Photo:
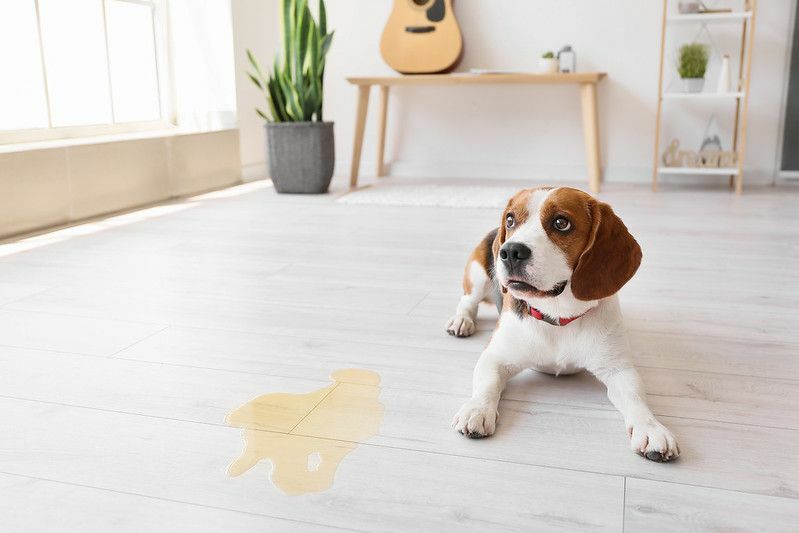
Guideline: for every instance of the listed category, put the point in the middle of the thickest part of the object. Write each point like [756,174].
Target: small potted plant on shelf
[300,144]
[548,64]
[692,66]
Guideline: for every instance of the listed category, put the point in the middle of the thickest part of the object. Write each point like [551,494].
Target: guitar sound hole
[436,12]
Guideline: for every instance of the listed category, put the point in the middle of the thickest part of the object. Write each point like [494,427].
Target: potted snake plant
[300,144]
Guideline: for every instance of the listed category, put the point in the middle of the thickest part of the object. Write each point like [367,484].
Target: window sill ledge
[104,139]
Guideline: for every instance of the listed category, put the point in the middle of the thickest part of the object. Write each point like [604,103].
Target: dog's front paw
[476,419]
[653,440]
[460,326]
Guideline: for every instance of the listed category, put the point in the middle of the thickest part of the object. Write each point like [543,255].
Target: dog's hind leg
[477,286]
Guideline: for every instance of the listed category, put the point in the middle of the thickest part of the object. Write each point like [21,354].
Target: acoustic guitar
[422,37]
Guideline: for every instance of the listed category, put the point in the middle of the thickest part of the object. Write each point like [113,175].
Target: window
[79,67]
[73,68]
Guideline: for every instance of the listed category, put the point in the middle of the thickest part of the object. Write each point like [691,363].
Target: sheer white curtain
[202,58]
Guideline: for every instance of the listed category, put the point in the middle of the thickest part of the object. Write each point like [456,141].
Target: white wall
[520,131]
[255,26]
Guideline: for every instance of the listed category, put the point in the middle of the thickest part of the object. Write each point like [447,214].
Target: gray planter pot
[301,156]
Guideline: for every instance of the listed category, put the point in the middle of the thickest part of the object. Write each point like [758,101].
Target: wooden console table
[586,80]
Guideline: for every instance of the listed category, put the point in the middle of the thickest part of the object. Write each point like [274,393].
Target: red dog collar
[538,315]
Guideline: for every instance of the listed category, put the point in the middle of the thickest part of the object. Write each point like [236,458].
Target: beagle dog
[553,267]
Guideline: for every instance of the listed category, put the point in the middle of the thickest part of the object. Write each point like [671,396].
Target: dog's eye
[562,224]
[510,221]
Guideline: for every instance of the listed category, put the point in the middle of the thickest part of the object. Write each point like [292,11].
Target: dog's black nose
[514,253]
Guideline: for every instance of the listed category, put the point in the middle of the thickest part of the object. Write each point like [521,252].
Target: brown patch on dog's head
[575,206]
[604,253]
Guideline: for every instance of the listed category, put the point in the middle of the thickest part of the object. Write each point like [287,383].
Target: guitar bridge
[420,29]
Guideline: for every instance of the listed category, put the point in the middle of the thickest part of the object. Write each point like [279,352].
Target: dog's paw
[476,419]
[653,440]
[460,326]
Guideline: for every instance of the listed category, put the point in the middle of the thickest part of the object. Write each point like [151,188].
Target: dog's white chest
[555,349]
[555,354]
[558,350]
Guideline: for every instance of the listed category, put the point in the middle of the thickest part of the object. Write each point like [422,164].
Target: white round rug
[432,195]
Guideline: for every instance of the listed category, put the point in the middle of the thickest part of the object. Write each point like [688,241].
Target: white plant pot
[548,65]
[693,85]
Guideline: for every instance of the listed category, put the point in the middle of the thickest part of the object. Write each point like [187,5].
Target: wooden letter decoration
[674,157]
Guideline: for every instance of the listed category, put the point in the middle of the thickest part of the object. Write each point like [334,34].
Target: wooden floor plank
[666,507]
[58,507]
[47,331]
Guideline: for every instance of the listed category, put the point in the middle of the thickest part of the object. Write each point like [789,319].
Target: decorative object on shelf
[548,63]
[567,60]
[686,8]
[422,37]
[673,157]
[692,66]
[300,144]
[725,81]
[698,7]
[711,140]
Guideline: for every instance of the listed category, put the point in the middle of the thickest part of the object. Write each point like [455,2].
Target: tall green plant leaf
[254,64]
[292,96]
[322,19]
[276,104]
[287,8]
[327,40]
[301,40]
[255,80]
[294,89]
[314,48]
[276,96]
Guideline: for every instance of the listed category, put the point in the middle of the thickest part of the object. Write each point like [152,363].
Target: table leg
[591,134]
[381,130]
[360,124]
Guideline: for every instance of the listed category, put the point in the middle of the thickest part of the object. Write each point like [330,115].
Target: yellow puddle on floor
[305,436]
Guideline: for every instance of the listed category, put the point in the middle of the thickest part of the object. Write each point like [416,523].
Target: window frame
[166,90]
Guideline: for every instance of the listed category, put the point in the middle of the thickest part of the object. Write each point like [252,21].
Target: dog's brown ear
[610,258]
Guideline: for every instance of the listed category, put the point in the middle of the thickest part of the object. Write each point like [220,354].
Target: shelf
[709,17]
[702,96]
[698,170]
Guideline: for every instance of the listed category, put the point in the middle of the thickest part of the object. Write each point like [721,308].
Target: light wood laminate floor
[126,342]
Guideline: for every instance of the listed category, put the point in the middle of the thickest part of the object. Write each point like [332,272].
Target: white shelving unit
[735,16]
[699,171]
[701,96]
[740,96]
